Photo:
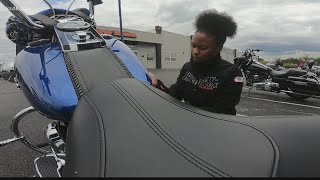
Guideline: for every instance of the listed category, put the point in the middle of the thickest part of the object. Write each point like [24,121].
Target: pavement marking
[296,112]
[10,93]
[240,115]
[315,107]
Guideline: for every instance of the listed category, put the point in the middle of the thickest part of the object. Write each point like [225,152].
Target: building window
[171,57]
[130,42]
[150,56]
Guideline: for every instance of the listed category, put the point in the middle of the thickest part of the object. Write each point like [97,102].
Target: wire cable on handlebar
[69,8]
[54,13]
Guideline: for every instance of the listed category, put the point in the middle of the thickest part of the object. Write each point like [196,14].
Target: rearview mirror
[96,2]
[310,64]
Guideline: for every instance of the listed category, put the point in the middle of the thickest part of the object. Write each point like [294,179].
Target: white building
[161,49]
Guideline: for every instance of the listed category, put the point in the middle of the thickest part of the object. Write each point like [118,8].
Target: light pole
[120,17]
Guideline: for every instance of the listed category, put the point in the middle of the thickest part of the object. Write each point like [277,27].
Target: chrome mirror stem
[91,9]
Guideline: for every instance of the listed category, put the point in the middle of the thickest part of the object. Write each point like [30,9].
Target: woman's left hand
[154,80]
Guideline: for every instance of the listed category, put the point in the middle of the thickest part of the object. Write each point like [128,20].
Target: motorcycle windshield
[40,5]
[65,4]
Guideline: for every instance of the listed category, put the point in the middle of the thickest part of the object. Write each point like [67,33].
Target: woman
[207,81]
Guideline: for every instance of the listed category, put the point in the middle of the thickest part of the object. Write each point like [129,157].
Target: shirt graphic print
[206,83]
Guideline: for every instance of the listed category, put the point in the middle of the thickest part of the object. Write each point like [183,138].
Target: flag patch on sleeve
[238,79]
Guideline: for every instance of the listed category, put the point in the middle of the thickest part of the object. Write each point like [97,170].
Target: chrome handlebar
[246,58]
[25,19]
[22,16]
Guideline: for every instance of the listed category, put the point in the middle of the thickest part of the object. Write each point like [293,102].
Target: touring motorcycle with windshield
[108,121]
[296,83]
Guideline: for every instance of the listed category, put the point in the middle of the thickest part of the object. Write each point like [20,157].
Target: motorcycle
[108,121]
[296,83]
[7,72]
[60,56]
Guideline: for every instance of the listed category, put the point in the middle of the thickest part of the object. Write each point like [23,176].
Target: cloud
[280,28]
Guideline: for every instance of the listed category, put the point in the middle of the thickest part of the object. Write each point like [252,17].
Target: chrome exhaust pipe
[266,86]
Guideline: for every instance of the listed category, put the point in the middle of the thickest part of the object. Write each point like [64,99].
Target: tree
[305,57]
[317,61]
[276,59]
[262,61]
[290,61]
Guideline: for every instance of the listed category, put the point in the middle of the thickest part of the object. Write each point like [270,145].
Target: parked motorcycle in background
[7,71]
[314,69]
[297,84]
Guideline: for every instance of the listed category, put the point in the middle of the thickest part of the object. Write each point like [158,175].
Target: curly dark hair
[219,25]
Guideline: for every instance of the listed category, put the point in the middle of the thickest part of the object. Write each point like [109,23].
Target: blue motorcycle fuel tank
[129,58]
[45,81]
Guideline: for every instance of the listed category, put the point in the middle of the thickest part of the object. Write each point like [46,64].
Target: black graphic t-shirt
[215,85]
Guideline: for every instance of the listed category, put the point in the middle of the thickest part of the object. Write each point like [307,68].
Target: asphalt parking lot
[16,160]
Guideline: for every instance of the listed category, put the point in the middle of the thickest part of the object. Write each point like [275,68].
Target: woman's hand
[154,80]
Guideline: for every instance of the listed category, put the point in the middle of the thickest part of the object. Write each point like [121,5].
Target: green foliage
[293,62]
[290,61]
[263,61]
[289,65]
[317,61]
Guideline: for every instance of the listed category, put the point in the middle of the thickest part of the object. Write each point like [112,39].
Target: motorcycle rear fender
[303,80]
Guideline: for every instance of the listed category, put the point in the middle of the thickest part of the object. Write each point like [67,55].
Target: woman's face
[204,47]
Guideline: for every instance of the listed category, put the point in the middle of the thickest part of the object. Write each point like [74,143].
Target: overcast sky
[287,28]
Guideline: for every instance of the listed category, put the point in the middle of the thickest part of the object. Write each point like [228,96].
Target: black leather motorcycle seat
[89,68]
[128,129]
[290,72]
